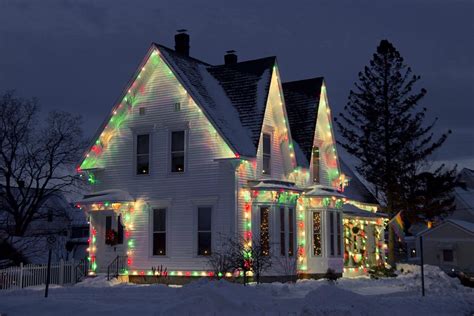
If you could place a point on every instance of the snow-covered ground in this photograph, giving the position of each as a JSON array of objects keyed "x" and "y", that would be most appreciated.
[{"x": 361, "y": 296}]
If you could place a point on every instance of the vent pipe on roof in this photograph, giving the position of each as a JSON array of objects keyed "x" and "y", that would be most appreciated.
[
  {"x": 181, "y": 42},
  {"x": 230, "y": 57}
]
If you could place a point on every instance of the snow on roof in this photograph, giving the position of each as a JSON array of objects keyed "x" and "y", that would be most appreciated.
[
  {"x": 356, "y": 190},
  {"x": 466, "y": 225},
  {"x": 302, "y": 102},
  {"x": 274, "y": 184},
  {"x": 322, "y": 190},
  {"x": 352, "y": 210},
  {"x": 232, "y": 96},
  {"x": 113, "y": 195}
]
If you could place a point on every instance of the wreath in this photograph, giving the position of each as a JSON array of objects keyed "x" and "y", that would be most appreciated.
[{"x": 111, "y": 237}]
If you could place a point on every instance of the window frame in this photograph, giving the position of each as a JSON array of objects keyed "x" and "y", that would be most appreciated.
[
  {"x": 185, "y": 151},
  {"x": 316, "y": 163},
  {"x": 165, "y": 231},
  {"x": 332, "y": 235},
  {"x": 197, "y": 230},
  {"x": 135, "y": 152},
  {"x": 321, "y": 243},
  {"x": 282, "y": 233},
  {"x": 269, "y": 230},
  {"x": 291, "y": 231},
  {"x": 267, "y": 155}
]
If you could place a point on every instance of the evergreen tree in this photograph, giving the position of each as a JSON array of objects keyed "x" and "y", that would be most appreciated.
[{"x": 382, "y": 126}]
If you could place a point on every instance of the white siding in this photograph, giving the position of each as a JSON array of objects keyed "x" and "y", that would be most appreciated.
[{"x": 204, "y": 181}]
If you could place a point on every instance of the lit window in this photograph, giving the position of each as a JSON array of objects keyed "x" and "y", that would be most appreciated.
[
  {"x": 316, "y": 166},
  {"x": 159, "y": 232},
  {"x": 317, "y": 234},
  {"x": 267, "y": 154},
  {"x": 265, "y": 231},
  {"x": 204, "y": 231},
  {"x": 143, "y": 154},
  {"x": 177, "y": 151}
]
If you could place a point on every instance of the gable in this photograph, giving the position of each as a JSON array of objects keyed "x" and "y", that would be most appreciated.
[
  {"x": 141, "y": 90},
  {"x": 276, "y": 123},
  {"x": 324, "y": 138},
  {"x": 448, "y": 230}
]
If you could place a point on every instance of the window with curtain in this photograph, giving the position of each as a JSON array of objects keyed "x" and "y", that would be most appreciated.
[
  {"x": 143, "y": 154},
  {"x": 204, "y": 231},
  {"x": 159, "y": 232}
]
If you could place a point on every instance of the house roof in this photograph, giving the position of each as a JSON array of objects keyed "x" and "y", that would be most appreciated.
[
  {"x": 302, "y": 101},
  {"x": 233, "y": 96},
  {"x": 467, "y": 226},
  {"x": 356, "y": 190}
]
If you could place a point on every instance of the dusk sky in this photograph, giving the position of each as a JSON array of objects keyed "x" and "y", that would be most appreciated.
[{"x": 78, "y": 55}]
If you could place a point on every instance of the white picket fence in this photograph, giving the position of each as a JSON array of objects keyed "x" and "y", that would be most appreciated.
[{"x": 62, "y": 273}]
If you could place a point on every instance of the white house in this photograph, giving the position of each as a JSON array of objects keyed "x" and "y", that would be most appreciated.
[
  {"x": 192, "y": 152},
  {"x": 450, "y": 243}
]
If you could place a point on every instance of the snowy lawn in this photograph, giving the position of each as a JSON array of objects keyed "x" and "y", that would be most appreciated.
[{"x": 361, "y": 296}]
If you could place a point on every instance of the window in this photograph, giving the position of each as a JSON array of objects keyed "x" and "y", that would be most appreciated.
[
  {"x": 317, "y": 234},
  {"x": 108, "y": 225},
  {"x": 50, "y": 215},
  {"x": 267, "y": 154},
  {"x": 331, "y": 232},
  {"x": 338, "y": 233},
  {"x": 177, "y": 151},
  {"x": 264, "y": 230},
  {"x": 120, "y": 230},
  {"x": 177, "y": 107},
  {"x": 159, "y": 232},
  {"x": 448, "y": 255},
  {"x": 204, "y": 231},
  {"x": 282, "y": 231},
  {"x": 141, "y": 111},
  {"x": 316, "y": 166},
  {"x": 143, "y": 153},
  {"x": 291, "y": 232}
]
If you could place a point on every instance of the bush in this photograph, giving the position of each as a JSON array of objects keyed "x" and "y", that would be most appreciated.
[
  {"x": 331, "y": 275},
  {"x": 381, "y": 271}
]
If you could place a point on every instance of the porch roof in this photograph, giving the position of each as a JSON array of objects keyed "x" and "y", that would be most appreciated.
[
  {"x": 323, "y": 191},
  {"x": 113, "y": 195},
  {"x": 354, "y": 211}
]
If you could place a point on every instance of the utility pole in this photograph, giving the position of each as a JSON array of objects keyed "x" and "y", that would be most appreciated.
[{"x": 422, "y": 268}]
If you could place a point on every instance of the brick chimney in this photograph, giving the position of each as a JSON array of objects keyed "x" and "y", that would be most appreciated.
[
  {"x": 181, "y": 42},
  {"x": 230, "y": 57}
]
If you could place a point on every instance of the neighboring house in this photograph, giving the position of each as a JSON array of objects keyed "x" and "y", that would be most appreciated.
[
  {"x": 450, "y": 243},
  {"x": 193, "y": 153},
  {"x": 55, "y": 217}
]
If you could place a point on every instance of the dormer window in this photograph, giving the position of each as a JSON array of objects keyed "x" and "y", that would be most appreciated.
[
  {"x": 316, "y": 165},
  {"x": 267, "y": 154}
]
